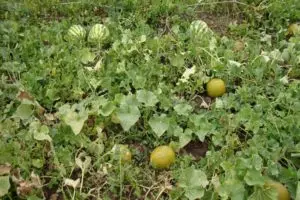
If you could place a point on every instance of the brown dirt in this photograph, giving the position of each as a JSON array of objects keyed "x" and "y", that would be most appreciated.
[
  {"x": 219, "y": 22},
  {"x": 195, "y": 148}
]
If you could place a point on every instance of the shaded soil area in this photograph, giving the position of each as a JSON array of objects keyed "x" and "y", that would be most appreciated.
[{"x": 219, "y": 22}]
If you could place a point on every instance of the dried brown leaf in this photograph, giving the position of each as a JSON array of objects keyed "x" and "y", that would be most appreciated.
[{"x": 5, "y": 169}]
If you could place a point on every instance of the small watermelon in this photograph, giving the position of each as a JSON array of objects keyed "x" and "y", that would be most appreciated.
[
  {"x": 198, "y": 27},
  {"x": 76, "y": 32},
  {"x": 98, "y": 33}
]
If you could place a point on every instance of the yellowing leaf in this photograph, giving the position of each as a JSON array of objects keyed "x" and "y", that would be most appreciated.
[
  {"x": 39, "y": 131},
  {"x": 73, "y": 183},
  {"x": 187, "y": 73},
  {"x": 5, "y": 169},
  {"x": 74, "y": 117}
]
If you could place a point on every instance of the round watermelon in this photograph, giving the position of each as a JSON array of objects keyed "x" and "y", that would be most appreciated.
[
  {"x": 198, "y": 27},
  {"x": 98, "y": 33},
  {"x": 76, "y": 32}
]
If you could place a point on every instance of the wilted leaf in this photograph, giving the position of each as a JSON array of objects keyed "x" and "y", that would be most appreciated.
[
  {"x": 4, "y": 185},
  {"x": 35, "y": 180},
  {"x": 5, "y": 169},
  {"x": 187, "y": 73},
  {"x": 98, "y": 65},
  {"x": 73, "y": 183},
  {"x": 39, "y": 131},
  {"x": 73, "y": 118},
  {"x": 24, "y": 188},
  {"x": 83, "y": 161},
  {"x": 22, "y": 95}
]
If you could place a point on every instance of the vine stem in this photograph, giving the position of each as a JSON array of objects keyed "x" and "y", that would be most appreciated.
[{"x": 160, "y": 193}]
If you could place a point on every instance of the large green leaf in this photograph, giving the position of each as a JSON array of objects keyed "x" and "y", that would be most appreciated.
[
  {"x": 128, "y": 115},
  {"x": 4, "y": 185},
  {"x": 183, "y": 109},
  {"x": 146, "y": 97},
  {"x": 159, "y": 124},
  {"x": 86, "y": 56},
  {"x": 107, "y": 109},
  {"x": 191, "y": 177},
  {"x": 193, "y": 181},
  {"x": 185, "y": 137},
  {"x": 232, "y": 187},
  {"x": 24, "y": 111},
  {"x": 254, "y": 177},
  {"x": 194, "y": 193},
  {"x": 264, "y": 193}
]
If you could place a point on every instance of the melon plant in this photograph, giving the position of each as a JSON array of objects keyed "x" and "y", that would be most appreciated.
[
  {"x": 98, "y": 33},
  {"x": 76, "y": 32}
]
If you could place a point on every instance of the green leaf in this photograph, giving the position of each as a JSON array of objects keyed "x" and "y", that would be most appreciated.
[
  {"x": 74, "y": 116},
  {"x": 146, "y": 97},
  {"x": 232, "y": 188},
  {"x": 194, "y": 193},
  {"x": 257, "y": 162},
  {"x": 185, "y": 137},
  {"x": 128, "y": 115},
  {"x": 86, "y": 56},
  {"x": 40, "y": 132},
  {"x": 96, "y": 148},
  {"x": 191, "y": 177},
  {"x": 127, "y": 100},
  {"x": 203, "y": 127},
  {"x": 183, "y": 109},
  {"x": 177, "y": 61},
  {"x": 201, "y": 135},
  {"x": 254, "y": 177},
  {"x": 4, "y": 185},
  {"x": 204, "y": 130},
  {"x": 24, "y": 111},
  {"x": 107, "y": 109},
  {"x": 264, "y": 193},
  {"x": 159, "y": 124}
]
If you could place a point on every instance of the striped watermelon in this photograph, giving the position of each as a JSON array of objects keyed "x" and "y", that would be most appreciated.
[
  {"x": 98, "y": 33},
  {"x": 76, "y": 32},
  {"x": 198, "y": 27}
]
